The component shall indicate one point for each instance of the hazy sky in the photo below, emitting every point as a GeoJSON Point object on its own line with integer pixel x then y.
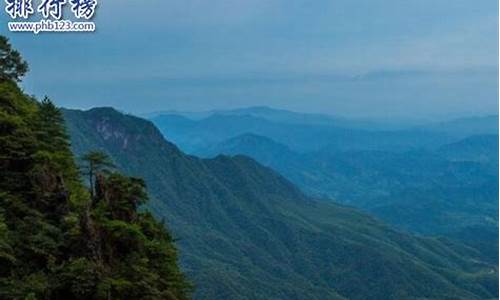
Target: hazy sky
{"type": "Point", "coordinates": [371, 58]}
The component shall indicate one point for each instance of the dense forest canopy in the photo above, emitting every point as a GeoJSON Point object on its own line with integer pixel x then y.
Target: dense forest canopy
{"type": "Point", "coordinates": [59, 238]}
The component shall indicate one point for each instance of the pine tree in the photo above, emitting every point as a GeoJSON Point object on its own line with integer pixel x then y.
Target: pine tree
{"type": "Point", "coordinates": [95, 162]}
{"type": "Point", "coordinates": [12, 65]}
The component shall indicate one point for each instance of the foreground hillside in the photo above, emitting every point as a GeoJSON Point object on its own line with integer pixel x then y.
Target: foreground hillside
{"type": "Point", "coordinates": [57, 239]}
{"type": "Point", "coordinates": [247, 233]}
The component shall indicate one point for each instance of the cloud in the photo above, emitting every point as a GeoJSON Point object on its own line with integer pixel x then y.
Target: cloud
{"type": "Point", "coordinates": [229, 49]}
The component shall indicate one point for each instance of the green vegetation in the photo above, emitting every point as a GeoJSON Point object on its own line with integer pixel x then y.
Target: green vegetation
{"type": "Point", "coordinates": [12, 65]}
{"type": "Point", "coordinates": [439, 192]}
{"type": "Point", "coordinates": [439, 179]}
{"type": "Point", "coordinates": [96, 163]}
{"type": "Point", "coordinates": [449, 192]}
{"type": "Point", "coordinates": [247, 233]}
{"type": "Point", "coordinates": [57, 240]}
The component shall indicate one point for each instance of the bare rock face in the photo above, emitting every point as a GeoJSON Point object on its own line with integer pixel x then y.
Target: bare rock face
{"type": "Point", "coordinates": [106, 130]}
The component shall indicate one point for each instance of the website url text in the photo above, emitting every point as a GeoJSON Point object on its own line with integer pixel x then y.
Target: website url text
{"type": "Point", "coordinates": [52, 26]}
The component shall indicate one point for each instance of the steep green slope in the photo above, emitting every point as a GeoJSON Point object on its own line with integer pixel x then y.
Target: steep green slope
{"type": "Point", "coordinates": [420, 191]}
{"type": "Point", "coordinates": [247, 233]}
{"type": "Point", "coordinates": [56, 240]}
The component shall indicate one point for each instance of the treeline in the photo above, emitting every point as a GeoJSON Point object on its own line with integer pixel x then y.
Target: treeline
{"type": "Point", "coordinates": [60, 238]}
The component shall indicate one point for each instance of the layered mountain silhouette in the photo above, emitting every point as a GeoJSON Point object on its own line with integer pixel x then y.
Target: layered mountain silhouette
{"type": "Point", "coordinates": [432, 179]}
{"type": "Point", "coordinates": [314, 132]}
{"type": "Point", "coordinates": [193, 135]}
{"type": "Point", "coordinates": [246, 232]}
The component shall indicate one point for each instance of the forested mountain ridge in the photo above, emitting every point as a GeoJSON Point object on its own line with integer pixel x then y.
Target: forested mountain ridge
{"type": "Point", "coordinates": [247, 233]}
{"type": "Point", "coordinates": [442, 192]}
{"type": "Point", "coordinates": [58, 238]}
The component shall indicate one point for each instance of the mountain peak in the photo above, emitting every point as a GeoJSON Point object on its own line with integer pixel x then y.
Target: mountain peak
{"type": "Point", "coordinates": [126, 132]}
{"type": "Point", "coordinates": [257, 109]}
{"type": "Point", "coordinates": [233, 214]}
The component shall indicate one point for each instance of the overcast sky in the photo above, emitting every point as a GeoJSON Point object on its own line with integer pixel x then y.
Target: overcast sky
{"type": "Point", "coordinates": [371, 58]}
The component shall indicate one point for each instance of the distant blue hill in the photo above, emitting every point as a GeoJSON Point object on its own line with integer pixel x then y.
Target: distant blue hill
{"type": "Point", "coordinates": [290, 117]}
{"type": "Point", "coordinates": [314, 132]}
{"type": "Point", "coordinates": [192, 135]}
{"type": "Point", "coordinates": [480, 148]}
{"type": "Point", "coordinates": [464, 127]}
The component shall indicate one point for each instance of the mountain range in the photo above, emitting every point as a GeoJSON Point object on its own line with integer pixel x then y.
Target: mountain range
{"type": "Point", "coordinates": [309, 132]}
{"type": "Point", "coordinates": [443, 184]}
{"type": "Point", "coordinates": [289, 117]}
{"type": "Point", "coordinates": [246, 232]}
{"type": "Point", "coordinates": [372, 179]}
